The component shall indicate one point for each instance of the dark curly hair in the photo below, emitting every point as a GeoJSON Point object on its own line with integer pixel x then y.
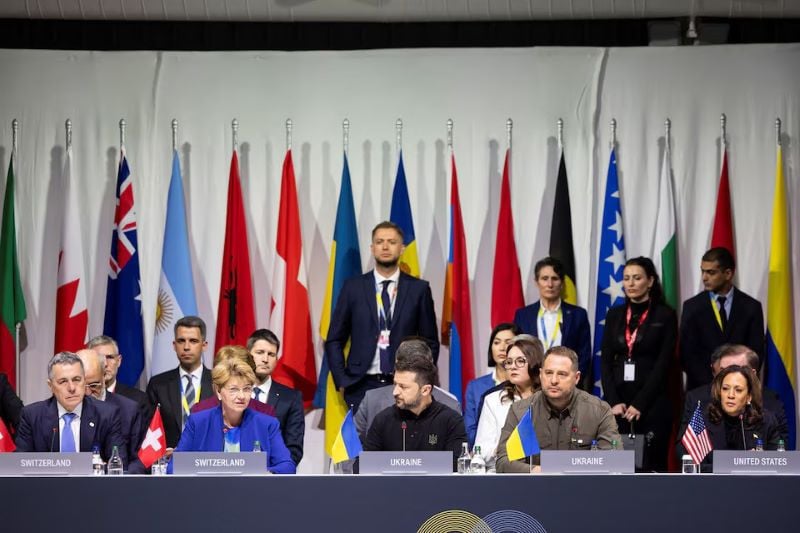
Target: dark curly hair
{"type": "Point", "coordinates": [532, 349]}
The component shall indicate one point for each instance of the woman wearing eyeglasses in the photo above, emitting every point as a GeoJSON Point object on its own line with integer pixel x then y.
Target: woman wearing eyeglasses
{"type": "Point", "coordinates": [232, 426]}
{"type": "Point", "coordinates": [523, 360]}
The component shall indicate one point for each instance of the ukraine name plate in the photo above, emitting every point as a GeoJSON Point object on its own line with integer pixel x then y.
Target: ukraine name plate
{"type": "Point", "coordinates": [587, 461]}
{"type": "Point", "coordinates": [46, 464]}
{"type": "Point", "coordinates": [749, 462]}
{"type": "Point", "coordinates": [219, 464]}
{"type": "Point", "coordinates": [393, 463]}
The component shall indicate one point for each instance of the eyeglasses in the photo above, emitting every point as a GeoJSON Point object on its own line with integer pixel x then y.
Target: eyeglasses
{"type": "Point", "coordinates": [518, 362]}
{"type": "Point", "coordinates": [236, 391]}
{"type": "Point", "coordinates": [95, 387]}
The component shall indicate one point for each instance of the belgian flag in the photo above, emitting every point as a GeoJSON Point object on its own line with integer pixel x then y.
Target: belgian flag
{"type": "Point", "coordinates": [561, 234]}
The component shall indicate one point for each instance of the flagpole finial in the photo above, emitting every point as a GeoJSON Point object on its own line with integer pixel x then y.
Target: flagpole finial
{"type": "Point", "coordinates": [509, 127]}
{"type": "Point", "coordinates": [613, 132]}
{"type": "Point", "coordinates": [14, 132]}
{"type": "Point", "coordinates": [398, 127]}
{"type": "Point", "coordinates": [288, 134]}
{"type": "Point", "coordinates": [122, 125]}
{"type": "Point", "coordinates": [450, 133]}
{"type": "Point", "coordinates": [68, 128]}
{"type": "Point", "coordinates": [235, 132]}
{"type": "Point", "coordinates": [174, 134]}
{"type": "Point", "coordinates": [346, 135]}
{"type": "Point", "coordinates": [723, 127]}
{"type": "Point", "coordinates": [778, 131]}
{"type": "Point", "coordinates": [561, 132]}
{"type": "Point", "coordinates": [667, 131]}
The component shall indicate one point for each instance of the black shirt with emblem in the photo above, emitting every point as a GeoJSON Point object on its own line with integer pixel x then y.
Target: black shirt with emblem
{"type": "Point", "coordinates": [437, 428]}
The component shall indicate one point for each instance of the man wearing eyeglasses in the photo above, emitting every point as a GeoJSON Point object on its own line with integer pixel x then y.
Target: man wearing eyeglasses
{"type": "Point", "coordinates": [264, 346]}
{"type": "Point", "coordinates": [112, 360]}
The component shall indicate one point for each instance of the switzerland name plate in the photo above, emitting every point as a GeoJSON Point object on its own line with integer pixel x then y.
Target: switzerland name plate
{"type": "Point", "coordinates": [405, 463]}
{"type": "Point", "coordinates": [219, 464]}
{"type": "Point", "coordinates": [747, 462]}
{"type": "Point", "coordinates": [46, 464]}
{"type": "Point", "coordinates": [587, 461]}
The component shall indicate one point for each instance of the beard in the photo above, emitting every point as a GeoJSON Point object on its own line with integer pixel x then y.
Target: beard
{"type": "Point", "coordinates": [387, 264]}
{"type": "Point", "coordinates": [411, 404]}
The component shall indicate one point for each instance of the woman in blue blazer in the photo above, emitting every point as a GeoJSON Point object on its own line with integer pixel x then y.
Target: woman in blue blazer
{"type": "Point", "coordinates": [232, 426]}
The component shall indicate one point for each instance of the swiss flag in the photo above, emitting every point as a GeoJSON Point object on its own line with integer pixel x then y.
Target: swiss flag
{"type": "Point", "coordinates": [154, 444]}
{"type": "Point", "coordinates": [6, 442]}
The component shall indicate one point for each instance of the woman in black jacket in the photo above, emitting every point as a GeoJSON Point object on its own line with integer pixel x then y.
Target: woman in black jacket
{"type": "Point", "coordinates": [638, 342]}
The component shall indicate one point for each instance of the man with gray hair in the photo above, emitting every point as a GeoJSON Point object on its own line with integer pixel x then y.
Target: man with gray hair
{"type": "Point", "coordinates": [70, 421]}
{"type": "Point", "coordinates": [112, 360]}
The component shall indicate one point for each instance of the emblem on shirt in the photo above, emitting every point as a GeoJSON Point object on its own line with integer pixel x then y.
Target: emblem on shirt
{"type": "Point", "coordinates": [433, 438]}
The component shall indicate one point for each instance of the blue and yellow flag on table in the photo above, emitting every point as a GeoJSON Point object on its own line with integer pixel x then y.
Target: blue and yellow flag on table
{"type": "Point", "coordinates": [347, 444]}
{"type": "Point", "coordinates": [781, 374]}
{"type": "Point", "coordinates": [523, 442]}
{"type": "Point", "coordinates": [401, 215]}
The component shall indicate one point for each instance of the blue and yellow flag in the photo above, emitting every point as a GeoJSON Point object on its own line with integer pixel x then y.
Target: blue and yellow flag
{"type": "Point", "coordinates": [523, 442]}
{"type": "Point", "coordinates": [401, 215]}
{"type": "Point", "coordinates": [347, 444]}
{"type": "Point", "coordinates": [780, 366]}
{"type": "Point", "coordinates": [345, 264]}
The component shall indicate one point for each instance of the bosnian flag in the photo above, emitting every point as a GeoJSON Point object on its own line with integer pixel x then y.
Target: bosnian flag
{"type": "Point", "coordinates": [154, 444]}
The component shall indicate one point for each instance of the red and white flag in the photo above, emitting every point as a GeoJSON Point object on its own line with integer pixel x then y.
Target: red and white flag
{"type": "Point", "coordinates": [290, 318]}
{"type": "Point", "coordinates": [72, 315]}
{"type": "Point", "coordinates": [154, 444]}
{"type": "Point", "coordinates": [6, 442]}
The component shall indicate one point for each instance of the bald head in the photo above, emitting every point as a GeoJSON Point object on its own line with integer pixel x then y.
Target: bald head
{"type": "Point", "coordinates": [94, 365]}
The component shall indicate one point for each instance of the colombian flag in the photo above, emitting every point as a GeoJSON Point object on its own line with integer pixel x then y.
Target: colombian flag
{"type": "Point", "coordinates": [780, 365]}
{"type": "Point", "coordinates": [347, 444]}
{"type": "Point", "coordinates": [401, 215]}
{"type": "Point", "coordinates": [523, 442]}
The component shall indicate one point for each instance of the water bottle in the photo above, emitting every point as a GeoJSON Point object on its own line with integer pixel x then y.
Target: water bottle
{"type": "Point", "coordinates": [257, 446]}
{"type": "Point", "coordinates": [594, 447]}
{"type": "Point", "coordinates": [115, 463]}
{"type": "Point", "coordinates": [477, 465]}
{"type": "Point", "coordinates": [464, 459]}
{"type": "Point", "coordinates": [159, 468]}
{"type": "Point", "coordinates": [98, 468]}
{"type": "Point", "coordinates": [781, 446]}
{"type": "Point", "coordinates": [759, 445]}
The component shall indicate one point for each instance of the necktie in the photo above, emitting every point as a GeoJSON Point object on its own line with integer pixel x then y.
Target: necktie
{"type": "Point", "coordinates": [723, 315]}
{"type": "Point", "coordinates": [257, 394]}
{"type": "Point", "coordinates": [188, 392]}
{"type": "Point", "coordinates": [67, 438]}
{"type": "Point", "coordinates": [386, 323]}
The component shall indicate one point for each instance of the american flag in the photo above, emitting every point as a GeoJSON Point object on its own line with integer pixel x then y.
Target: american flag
{"type": "Point", "coordinates": [695, 439]}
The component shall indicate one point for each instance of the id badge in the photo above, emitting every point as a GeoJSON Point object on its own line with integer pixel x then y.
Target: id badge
{"type": "Point", "coordinates": [383, 339]}
{"type": "Point", "coordinates": [630, 372]}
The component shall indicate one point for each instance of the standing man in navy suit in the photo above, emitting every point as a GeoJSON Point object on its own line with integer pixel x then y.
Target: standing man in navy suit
{"type": "Point", "coordinates": [556, 322]}
{"type": "Point", "coordinates": [264, 346]}
{"type": "Point", "coordinates": [721, 314]}
{"type": "Point", "coordinates": [375, 312]}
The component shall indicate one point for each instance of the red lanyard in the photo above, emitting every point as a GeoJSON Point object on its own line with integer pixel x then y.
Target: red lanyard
{"type": "Point", "coordinates": [630, 338]}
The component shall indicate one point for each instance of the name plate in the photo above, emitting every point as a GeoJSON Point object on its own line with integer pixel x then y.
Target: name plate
{"type": "Point", "coordinates": [219, 464]}
{"type": "Point", "coordinates": [588, 461]}
{"type": "Point", "coordinates": [392, 463]}
{"type": "Point", "coordinates": [749, 462]}
{"type": "Point", "coordinates": [46, 464]}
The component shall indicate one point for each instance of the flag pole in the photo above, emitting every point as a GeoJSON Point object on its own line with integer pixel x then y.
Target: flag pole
{"type": "Point", "coordinates": [561, 134]}
{"type": "Point", "coordinates": [778, 131]}
{"type": "Point", "coordinates": [122, 125]}
{"type": "Point", "coordinates": [723, 134]}
{"type": "Point", "coordinates": [398, 127]}
{"type": "Point", "coordinates": [509, 126]}
{"type": "Point", "coordinates": [174, 134]}
{"type": "Point", "coordinates": [288, 134]}
{"type": "Point", "coordinates": [346, 136]}
{"type": "Point", "coordinates": [450, 134]}
{"type": "Point", "coordinates": [235, 134]}
{"type": "Point", "coordinates": [667, 134]}
{"type": "Point", "coordinates": [613, 133]}
{"type": "Point", "coordinates": [18, 325]}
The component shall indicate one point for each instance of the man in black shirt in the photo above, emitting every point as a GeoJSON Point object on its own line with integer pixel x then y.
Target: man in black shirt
{"type": "Point", "coordinates": [416, 422]}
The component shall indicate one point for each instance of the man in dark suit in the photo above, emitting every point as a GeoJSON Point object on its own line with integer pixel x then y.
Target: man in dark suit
{"type": "Point", "coordinates": [721, 314]}
{"type": "Point", "coordinates": [375, 312]}
{"type": "Point", "coordinates": [108, 348]}
{"type": "Point", "coordinates": [556, 322]}
{"type": "Point", "coordinates": [176, 391]}
{"type": "Point", "coordinates": [10, 404]}
{"type": "Point", "coordinates": [70, 421]}
{"type": "Point", "coordinates": [264, 345]}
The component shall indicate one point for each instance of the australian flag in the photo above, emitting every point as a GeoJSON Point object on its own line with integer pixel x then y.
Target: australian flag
{"type": "Point", "coordinates": [123, 320]}
{"type": "Point", "coordinates": [611, 262]}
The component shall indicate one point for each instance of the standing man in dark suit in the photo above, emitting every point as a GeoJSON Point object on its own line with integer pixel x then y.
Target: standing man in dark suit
{"type": "Point", "coordinates": [264, 345]}
{"type": "Point", "coordinates": [556, 322]}
{"type": "Point", "coordinates": [375, 312]}
{"type": "Point", "coordinates": [10, 404]}
{"type": "Point", "coordinates": [179, 389]}
{"type": "Point", "coordinates": [721, 314]}
{"type": "Point", "coordinates": [70, 421]}
{"type": "Point", "coordinates": [109, 350]}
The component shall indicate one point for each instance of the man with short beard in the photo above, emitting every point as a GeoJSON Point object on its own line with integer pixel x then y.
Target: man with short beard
{"type": "Point", "coordinates": [375, 312]}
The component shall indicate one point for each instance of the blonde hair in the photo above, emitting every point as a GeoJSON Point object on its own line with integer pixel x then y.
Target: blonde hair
{"type": "Point", "coordinates": [235, 351]}
{"type": "Point", "coordinates": [229, 368]}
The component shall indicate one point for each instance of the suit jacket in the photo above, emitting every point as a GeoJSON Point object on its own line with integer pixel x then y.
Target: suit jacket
{"type": "Point", "coordinates": [575, 331]}
{"type": "Point", "coordinates": [701, 335]}
{"type": "Point", "coordinates": [130, 417]}
{"type": "Point", "coordinates": [165, 390]}
{"type": "Point", "coordinates": [203, 433]}
{"type": "Point", "coordinates": [10, 404]}
{"type": "Point", "coordinates": [137, 396]}
{"type": "Point", "coordinates": [288, 405]}
{"type": "Point", "coordinates": [100, 425]}
{"type": "Point", "coordinates": [355, 318]}
{"type": "Point", "coordinates": [473, 397]}
{"type": "Point", "coordinates": [376, 400]}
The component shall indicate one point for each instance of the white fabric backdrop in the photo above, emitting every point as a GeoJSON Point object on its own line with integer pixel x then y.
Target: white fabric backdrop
{"type": "Point", "coordinates": [478, 88]}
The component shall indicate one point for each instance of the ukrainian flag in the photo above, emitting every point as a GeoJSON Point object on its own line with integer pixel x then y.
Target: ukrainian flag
{"type": "Point", "coordinates": [345, 264]}
{"type": "Point", "coordinates": [401, 215]}
{"type": "Point", "coordinates": [522, 442]}
{"type": "Point", "coordinates": [780, 366]}
{"type": "Point", "coordinates": [347, 444]}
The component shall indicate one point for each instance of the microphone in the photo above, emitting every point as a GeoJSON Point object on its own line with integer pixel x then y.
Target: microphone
{"type": "Point", "coordinates": [741, 425]}
{"type": "Point", "coordinates": [53, 438]}
{"type": "Point", "coordinates": [404, 426]}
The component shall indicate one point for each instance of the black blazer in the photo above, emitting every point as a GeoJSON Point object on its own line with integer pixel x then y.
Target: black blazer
{"type": "Point", "coordinates": [130, 417]}
{"type": "Point", "coordinates": [288, 405]}
{"type": "Point", "coordinates": [355, 318]}
{"type": "Point", "coordinates": [654, 346]}
{"type": "Point", "coordinates": [10, 404]}
{"type": "Point", "coordinates": [165, 390]}
{"type": "Point", "coordinates": [100, 425]}
{"type": "Point", "coordinates": [139, 397]}
{"type": "Point", "coordinates": [701, 334]}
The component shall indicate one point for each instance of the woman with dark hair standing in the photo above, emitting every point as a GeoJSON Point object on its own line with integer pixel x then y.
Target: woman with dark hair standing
{"type": "Point", "coordinates": [638, 342]}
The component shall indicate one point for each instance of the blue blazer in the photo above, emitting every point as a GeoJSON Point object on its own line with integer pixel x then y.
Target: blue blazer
{"type": "Point", "coordinates": [355, 318]}
{"type": "Point", "coordinates": [203, 433]}
{"type": "Point", "coordinates": [288, 405]}
{"type": "Point", "coordinates": [475, 390]}
{"type": "Point", "coordinates": [575, 331]}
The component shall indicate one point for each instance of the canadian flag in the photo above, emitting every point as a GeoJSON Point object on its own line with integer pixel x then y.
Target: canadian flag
{"type": "Point", "coordinates": [154, 444]}
{"type": "Point", "coordinates": [6, 442]}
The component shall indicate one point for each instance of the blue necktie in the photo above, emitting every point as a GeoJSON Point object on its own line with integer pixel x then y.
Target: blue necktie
{"type": "Point", "coordinates": [386, 323]}
{"type": "Point", "coordinates": [67, 438]}
{"type": "Point", "coordinates": [257, 394]}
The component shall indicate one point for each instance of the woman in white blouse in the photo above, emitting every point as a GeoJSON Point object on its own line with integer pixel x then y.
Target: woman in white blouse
{"type": "Point", "coordinates": [523, 360]}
